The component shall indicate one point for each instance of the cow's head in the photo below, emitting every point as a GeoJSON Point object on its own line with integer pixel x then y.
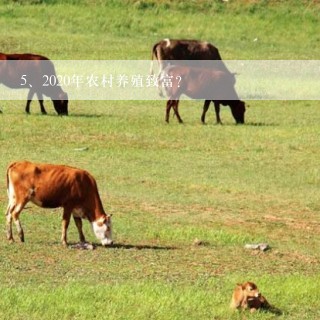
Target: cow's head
{"type": "Point", "coordinates": [102, 229]}
{"type": "Point", "coordinates": [61, 105]}
{"type": "Point", "coordinates": [238, 109]}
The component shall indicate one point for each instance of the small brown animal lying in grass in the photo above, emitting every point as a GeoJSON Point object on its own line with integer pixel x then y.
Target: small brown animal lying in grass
{"type": "Point", "coordinates": [247, 296]}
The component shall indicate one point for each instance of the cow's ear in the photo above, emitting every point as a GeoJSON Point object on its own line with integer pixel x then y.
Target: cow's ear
{"type": "Point", "coordinates": [101, 221]}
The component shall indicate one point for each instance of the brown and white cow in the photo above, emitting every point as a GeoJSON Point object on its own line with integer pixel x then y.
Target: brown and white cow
{"type": "Point", "coordinates": [199, 83]}
{"type": "Point", "coordinates": [53, 186]}
{"type": "Point", "coordinates": [30, 71]}
{"type": "Point", "coordinates": [174, 51]}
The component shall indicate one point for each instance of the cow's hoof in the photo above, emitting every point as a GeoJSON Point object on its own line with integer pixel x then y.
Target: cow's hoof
{"type": "Point", "coordinates": [82, 246]}
{"type": "Point", "coordinates": [108, 244]}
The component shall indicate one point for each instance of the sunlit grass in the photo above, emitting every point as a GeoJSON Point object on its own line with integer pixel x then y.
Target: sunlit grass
{"type": "Point", "coordinates": [185, 198]}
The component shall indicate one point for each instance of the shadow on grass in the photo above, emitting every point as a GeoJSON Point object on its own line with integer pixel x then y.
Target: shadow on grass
{"type": "Point", "coordinates": [88, 115]}
{"type": "Point", "coordinates": [77, 245]}
{"type": "Point", "coordinates": [252, 124]}
{"type": "Point", "coordinates": [273, 310]}
{"type": "Point", "coordinates": [77, 115]}
{"type": "Point", "coordinates": [138, 247]}
{"type": "Point", "coordinates": [261, 124]}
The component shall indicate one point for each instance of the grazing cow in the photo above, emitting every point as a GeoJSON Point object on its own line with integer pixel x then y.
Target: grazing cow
{"type": "Point", "coordinates": [198, 83]}
{"type": "Point", "coordinates": [173, 49]}
{"type": "Point", "coordinates": [33, 72]}
{"type": "Point", "coordinates": [53, 186]}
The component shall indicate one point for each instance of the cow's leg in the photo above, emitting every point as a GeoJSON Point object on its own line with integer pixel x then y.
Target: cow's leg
{"type": "Point", "coordinates": [159, 84]}
{"type": "Point", "coordinates": [16, 204]}
{"type": "Point", "coordinates": [65, 224]}
{"type": "Point", "coordinates": [217, 109]}
{"type": "Point", "coordinates": [169, 105]}
{"type": "Point", "coordinates": [40, 98]}
{"type": "Point", "coordinates": [205, 109]}
{"type": "Point", "coordinates": [78, 222]}
{"type": "Point", "coordinates": [159, 76]}
{"type": "Point", "coordinates": [9, 223]}
{"type": "Point", "coordinates": [19, 227]}
{"type": "Point", "coordinates": [29, 99]}
{"type": "Point", "coordinates": [175, 106]}
{"type": "Point", "coordinates": [13, 213]}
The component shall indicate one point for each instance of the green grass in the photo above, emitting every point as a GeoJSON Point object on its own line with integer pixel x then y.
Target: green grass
{"type": "Point", "coordinates": [123, 301]}
{"type": "Point", "coordinates": [166, 185]}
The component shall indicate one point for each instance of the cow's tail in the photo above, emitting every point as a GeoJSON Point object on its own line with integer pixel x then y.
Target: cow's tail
{"type": "Point", "coordinates": [8, 181]}
{"type": "Point", "coordinates": [8, 178]}
{"type": "Point", "coordinates": [11, 165]}
{"type": "Point", "coordinates": [10, 196]}
{"type": "Point", "coordinates": [154, 56]}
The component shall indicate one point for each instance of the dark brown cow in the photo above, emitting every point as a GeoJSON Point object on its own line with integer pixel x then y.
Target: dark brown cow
{"type": "Point", "coordinates": [172, 49]}
{"type": "Point", "coordinates": [53, 186]}
{"type": "Point", "coordinates": [30, 71]}
{"type": "Point", "coordinates": [198, 83]}
{"type": "Point", "coordinates": [167, 50]}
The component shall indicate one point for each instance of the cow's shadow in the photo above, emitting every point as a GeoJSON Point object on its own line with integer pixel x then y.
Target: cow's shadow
{"type": "Point", "coordinates": [71, 115]}
{"type": "Point", "coordinates": [137, 247]}
{"type": "Point", "coordinates": [261, 124]}
{"type": "Point", "coordinates": [250, 124]}
{"type": "Point", "coordinates": [87, 115]}
{"type": "Point", "coordinates": [125, 246]}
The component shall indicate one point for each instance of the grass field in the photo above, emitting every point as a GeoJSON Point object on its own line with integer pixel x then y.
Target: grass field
{"type": "Point", "coordinates": [167, 185]}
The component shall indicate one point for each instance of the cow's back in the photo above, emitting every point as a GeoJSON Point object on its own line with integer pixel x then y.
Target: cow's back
{"type": "Point", "coordinates": [174, 49]}
{"type": "Point", "coordinates": [52, 186]}
{"type": "Point", "coordinates": [33, 68]}
{"type": "Point", "coordinates": [196, 50]}
{"type": "Point", "coordinates": [197, 53]}
{"type": "Point", "coordinates": [22, 56]}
